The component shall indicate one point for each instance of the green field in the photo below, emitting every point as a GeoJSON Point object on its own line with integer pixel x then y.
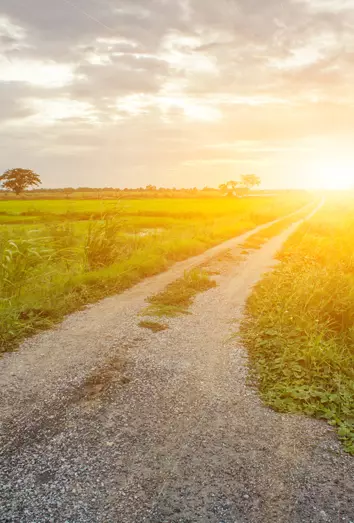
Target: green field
{"type": "Point", "coordinates": [58, 255]}
{"type": "Point", "coordinates": [300, 324]}
{"type": "Point", "coordinates": [55, 210]}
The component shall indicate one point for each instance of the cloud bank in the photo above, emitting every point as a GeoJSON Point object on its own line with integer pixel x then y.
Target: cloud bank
{"type": "Point", "coordinates": [175, 93]}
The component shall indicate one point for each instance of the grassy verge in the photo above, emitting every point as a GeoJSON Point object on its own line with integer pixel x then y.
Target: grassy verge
{"type": "Point", "coordinates": [299, 327]}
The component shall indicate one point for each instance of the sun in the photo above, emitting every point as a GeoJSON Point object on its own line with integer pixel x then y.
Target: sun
{"type": "Point", "coordinates": [331, 173]}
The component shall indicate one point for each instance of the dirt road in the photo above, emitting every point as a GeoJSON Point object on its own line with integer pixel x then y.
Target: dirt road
{"type": "Point", "coordinates": [103, 421]}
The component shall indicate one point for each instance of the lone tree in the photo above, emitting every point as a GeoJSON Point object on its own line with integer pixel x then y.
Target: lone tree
{"type": "Point", "coordinates": [241, 188]}
{"type": "Point", "coordinates": [250, 180]}
{"type": "Point", "coordinates": [18, 180]}
{"type": "Point", "coordinates": [229, 188]}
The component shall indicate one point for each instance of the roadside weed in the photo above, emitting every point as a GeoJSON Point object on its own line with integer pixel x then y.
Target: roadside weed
{"type": "Point", "coordinates": [299, 324]}
{"type": "Point", "coordinates": [153, 326]}
{"type": "Point", "coordinates": [179, 295]}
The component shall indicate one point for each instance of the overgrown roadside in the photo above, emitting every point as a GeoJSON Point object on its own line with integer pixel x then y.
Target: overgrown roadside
{"type": "Point", "coordinates": [299, 324]}
{"type": "Point", "coordinates": [52, 271]}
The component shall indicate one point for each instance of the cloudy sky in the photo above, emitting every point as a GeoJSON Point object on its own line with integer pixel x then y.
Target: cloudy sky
{"type": "Point", "coordinates": [178, 92]}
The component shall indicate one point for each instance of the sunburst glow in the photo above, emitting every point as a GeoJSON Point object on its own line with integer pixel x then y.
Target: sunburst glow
{"type": "Point", "coordinates": [332, 173]}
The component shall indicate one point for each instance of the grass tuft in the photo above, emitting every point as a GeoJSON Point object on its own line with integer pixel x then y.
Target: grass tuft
{"type": "Point", "coordinates": [153, 326]}
{"type": "Point", "coordinates": [179, 295]}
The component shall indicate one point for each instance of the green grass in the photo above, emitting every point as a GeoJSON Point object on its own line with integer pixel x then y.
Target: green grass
{"type": "Point", "coordinates": [154, 326]}
{"type": "Point", "coordinates": [299, 327]}
{"type": "Point", "coordinates": [44, 210]}
{"type": "Point", "coordinates": [177, 298]}
{"type": "Point", "coordinates": [64, 261]}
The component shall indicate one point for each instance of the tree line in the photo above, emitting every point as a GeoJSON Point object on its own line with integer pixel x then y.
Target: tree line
{"type": "Point", "coordinates": [18, 180]}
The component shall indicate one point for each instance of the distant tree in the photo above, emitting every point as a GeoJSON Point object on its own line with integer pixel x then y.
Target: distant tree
{"type": "Point", "coordinates": [241, 188]}
{"type": "Point", "coordinates": [18, 180]}
{"type": "Point", "coordinates": [250, 180]}
{"type": "Point", "coordinates": [229, 188]}
{"type": "Point", "coordinates": [150, 188]}
{"type": "Point", "coordinates": [67, 191]}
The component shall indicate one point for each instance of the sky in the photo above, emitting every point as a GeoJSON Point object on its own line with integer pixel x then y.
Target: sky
{"type": "Point", "coordinates": [183, 93]}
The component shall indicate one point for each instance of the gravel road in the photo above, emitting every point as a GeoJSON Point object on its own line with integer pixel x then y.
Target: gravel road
{"type": "Point", "coordinates": [103, 421]}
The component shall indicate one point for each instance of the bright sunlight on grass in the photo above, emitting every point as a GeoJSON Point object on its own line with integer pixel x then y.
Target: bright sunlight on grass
{"type": "Point", "coordinates": [299, 328]}
{"type": "Point", "coordinates": [77, 252]}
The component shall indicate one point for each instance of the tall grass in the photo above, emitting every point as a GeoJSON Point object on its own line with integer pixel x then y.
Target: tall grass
{"type": "Point", "coordinates": [102, 245]}
{"type": "Point", "coordinates": [300, 323]}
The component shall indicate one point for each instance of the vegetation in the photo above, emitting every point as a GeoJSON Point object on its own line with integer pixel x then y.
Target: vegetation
{"type": "Point", "coordinates": [17, 180]}
{"type": "Point", "coordinates": [241, 187]}
{"type": "Point", "coordinates": [151, 212]}
{"type": "Point", "coordinates": [256, 240]}
{"type": "Point", "coordinates": [178, 296]}
{"type": "Point", "coordinates": [250, 180]}
{"type": "Point", "coordinates": [111, 193]}
{"type": "Point", "coordinates": [154, 326]}
{"type": "Point", "coordinates": [56, 256]}
{"type": "Point", "coordinates": [300, 323]}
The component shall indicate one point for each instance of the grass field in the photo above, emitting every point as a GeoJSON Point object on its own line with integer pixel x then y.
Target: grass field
{"type": "Point", "coordinates": [58, 255]}
{"type": "Point", "coordinates": [149, 210]}
{"type": "Point", "coordinates": [300, 323]}
{"type": "Point", "coordinates": [122, 194]}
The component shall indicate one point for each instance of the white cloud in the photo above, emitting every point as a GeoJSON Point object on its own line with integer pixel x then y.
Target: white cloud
{"type": "Point", "coordinates": [309, 53]}
{"type": "Point", "coordinates": [44, 74]}
{"type": "Point", "coordinates": [255, 147]}
{"type": "Point", "coordinates": [328, 5]}
{"type": "Point", "coordinates": [8, 28]}
{"type": "Point", "coordinates": [181, 53]}
{"type": "Point", "coordinates": [135, 104]}
{"type": "Point", "coordinates": [220, 161]}
{"type": "Point", "coordinates": [53, 110]}
{"type": "Point", "coordinates": [192, 109]}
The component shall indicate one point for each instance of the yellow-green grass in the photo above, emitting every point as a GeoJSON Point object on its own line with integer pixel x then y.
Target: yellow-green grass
{"type": "Point", "coordinates": [299, 327]}
{"type": "Point", "coordinates": [178, 208]}
{"type": "Point", "coordinates": [154, 326]}
{"type": "Point", "coordinates": [99, 194]}
{"type": "Point", "coordinates": [177, 297]}
{"type": "Point", "coordinates": [255, 241]}
{"type": "Point", "coordinates": [52, 268]}
{"type": "Point", "coordinates": [109, 194]}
